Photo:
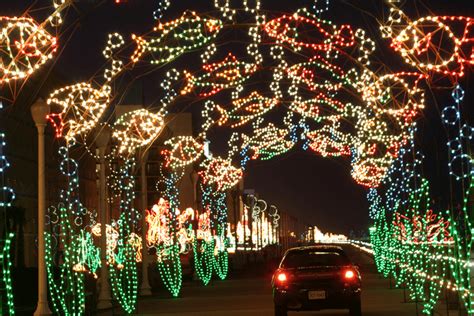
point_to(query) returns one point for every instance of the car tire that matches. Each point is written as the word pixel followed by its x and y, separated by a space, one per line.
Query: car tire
pixel 355 309
pixel 280 311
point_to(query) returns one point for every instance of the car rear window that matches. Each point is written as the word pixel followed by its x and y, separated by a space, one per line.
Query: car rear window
pixel 313 258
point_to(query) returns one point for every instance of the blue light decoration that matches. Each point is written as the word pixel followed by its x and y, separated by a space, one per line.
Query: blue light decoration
pixel 320 8
pixel 6 199
pixel 219 226
pixel 460 163
pixel 163 5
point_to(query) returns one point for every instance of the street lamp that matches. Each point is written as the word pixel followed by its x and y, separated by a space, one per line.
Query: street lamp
pixel 39 112
pixel 101 141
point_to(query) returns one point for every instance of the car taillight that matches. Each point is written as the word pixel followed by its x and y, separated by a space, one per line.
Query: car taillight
pixel 281 277
pixel 349 274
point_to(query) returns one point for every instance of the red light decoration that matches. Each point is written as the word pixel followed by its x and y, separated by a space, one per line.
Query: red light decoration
pixel 422 228
pixel 303 29
pixel 432 43
pixel 317 74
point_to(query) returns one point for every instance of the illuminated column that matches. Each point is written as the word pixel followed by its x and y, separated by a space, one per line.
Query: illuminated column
pixel 145 288
pixel 101 141
pixel 39 112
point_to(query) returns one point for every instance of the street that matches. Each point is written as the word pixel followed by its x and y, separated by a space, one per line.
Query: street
pixel 252 296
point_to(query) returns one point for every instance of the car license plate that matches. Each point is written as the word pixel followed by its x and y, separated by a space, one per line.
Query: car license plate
pixel 316 295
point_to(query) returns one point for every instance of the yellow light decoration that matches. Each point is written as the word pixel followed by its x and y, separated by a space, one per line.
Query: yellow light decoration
pixel 221 173
pixel 81 108
pixel 137 129
pixel 81 105
pixel 184 151
pixel 396 94
pixel 175 38
pixel 246 109
pixel 432 43
pixel 25 46
pixel 219 76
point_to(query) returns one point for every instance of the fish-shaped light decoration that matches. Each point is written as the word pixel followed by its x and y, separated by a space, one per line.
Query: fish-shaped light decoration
pixel 172 39
pixel 137 129
pixel 219 76
pixel 398 95
pixel 317 108
pixel 328 141
pixel 304 30
pixel 184 151
pixel 78 108
pixel 221 173
pixel 81 106
pixel 318 74
pixel 267 142
pixel 246 109
pixel 25 46
pixel 441 44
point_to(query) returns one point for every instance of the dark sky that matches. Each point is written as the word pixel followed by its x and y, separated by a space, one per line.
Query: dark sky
pixel 318 191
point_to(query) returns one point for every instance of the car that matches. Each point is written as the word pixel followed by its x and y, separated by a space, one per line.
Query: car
pixel 313 278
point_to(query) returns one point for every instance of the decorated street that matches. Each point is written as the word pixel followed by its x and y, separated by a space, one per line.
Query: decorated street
pixel 236 157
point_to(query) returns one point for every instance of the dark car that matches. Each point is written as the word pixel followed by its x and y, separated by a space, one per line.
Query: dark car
pixel 314 278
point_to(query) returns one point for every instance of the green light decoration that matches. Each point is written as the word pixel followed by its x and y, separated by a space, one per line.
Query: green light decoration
pixel 203 243
pixel 67 286
pixel 421 249
pixel 203 253
pixel 168 254
pixel 216 201
pixel 6 276
pixel 123 266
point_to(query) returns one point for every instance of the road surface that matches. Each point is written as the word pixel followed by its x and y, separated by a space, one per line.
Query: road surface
pixel 252 296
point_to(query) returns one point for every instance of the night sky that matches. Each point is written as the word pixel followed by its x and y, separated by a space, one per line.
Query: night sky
pixel 318 191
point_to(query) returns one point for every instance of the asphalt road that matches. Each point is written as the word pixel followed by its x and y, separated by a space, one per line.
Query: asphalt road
pixel 252 296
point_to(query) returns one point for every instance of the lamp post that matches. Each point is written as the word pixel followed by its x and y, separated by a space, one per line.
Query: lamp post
pixel 145 288
pixel 39 112
pixel 101 141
